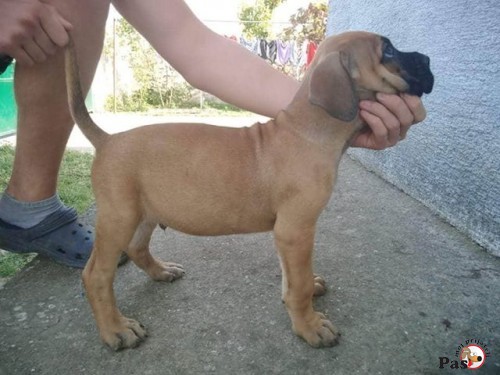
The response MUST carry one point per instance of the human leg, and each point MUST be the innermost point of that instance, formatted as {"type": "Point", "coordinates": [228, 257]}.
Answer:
{"type": "Point", "coordinates": [44, 126]}
{"type": "Point", "coordinates": [44, 122]}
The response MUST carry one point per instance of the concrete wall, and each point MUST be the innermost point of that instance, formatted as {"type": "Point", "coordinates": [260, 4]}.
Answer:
{"type": "Point", "coordinates": [451, 162]}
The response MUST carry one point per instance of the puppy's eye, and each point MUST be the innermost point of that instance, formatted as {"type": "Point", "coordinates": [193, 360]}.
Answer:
{"type": "Point", "coordinates": [389, 51]}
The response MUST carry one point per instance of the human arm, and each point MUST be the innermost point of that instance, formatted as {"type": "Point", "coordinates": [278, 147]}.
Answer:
{"type": "Point", "coordinates": [209, 61]}
{"type": "Point", "coordinates": [31, 30]}
{"type": "Point", "coordinates": [217, 65]}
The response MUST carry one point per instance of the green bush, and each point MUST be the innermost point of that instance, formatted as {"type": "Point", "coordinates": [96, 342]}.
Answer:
{"type": "Point", "coordinates": [178, 96]}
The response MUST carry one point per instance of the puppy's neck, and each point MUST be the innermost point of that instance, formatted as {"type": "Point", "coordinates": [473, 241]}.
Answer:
{"type": "Point", "coordinates": [316, 125]}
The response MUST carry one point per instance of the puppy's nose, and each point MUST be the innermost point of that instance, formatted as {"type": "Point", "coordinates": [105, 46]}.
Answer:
{"type": "Point", "coordinates": [426, 60]}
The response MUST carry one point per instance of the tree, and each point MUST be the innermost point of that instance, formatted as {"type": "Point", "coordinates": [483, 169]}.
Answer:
{"type": "Point", "coordinates": [147, 66]}
{"type": "Point", "coordinates": [156, 84]}
{"type": "Point", "coordinates": [308, 23]}
{"type": "Point", "coordinates": [256, 19]}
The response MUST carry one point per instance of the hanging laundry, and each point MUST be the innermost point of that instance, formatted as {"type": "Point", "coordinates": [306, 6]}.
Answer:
{"type": "Point", "coordinates": [311, 51]}
{"type": "Point", "coordinates": [280, 52]}
{"type": "Point", "coordinates": [272, 49]}
{"type": "Point", "coordinates": [246, 43]}
{"type": "Point", "coordinates": [284, 52]}
{"type": "Point", "coordinates": [263, 48]}
{"type": "Point", "coordinates": [294, 53]}
{"type": "Point", "coordinates": [251, 45]}
{"type": "Point", "coordinates": [303, 53]}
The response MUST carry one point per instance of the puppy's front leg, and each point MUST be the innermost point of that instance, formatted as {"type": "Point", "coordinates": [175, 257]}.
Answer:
{"type": "Point", "coordinates": [294, 241]}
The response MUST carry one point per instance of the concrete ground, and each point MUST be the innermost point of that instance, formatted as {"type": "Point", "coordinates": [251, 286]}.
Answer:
{"type": "Point", "coordinates": [405, 289]}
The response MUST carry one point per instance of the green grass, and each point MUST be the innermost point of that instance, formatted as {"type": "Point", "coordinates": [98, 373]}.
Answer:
{"type": "Point", "coordinates": [6, 159]}
{"type": "Point", "coordinates": [74, 185]}
{"type": "Point", "coordinates": [11, 263]}
{"type": "Point", "coordinates": [74, 188]}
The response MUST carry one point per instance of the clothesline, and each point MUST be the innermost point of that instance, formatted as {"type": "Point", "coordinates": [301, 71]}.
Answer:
{"type": "Point", "coordinates": [279, 51]}
{"type": "Point", "coordinates": [251, 21]}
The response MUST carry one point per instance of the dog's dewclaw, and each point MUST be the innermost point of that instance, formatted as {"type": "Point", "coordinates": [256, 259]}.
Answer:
{"type": "Point", "coordinates": [319, 286]}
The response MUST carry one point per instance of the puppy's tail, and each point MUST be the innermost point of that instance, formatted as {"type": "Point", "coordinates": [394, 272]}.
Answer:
{"type": "Point", "coordinates": [76, 99]}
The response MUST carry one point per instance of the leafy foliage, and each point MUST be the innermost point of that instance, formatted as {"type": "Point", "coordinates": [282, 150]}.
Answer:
{"type": "Point", "coordinates": [157, 85]}
{"type": "Point", "coordinates": [308, 23]}
{"type": "Point", "coordinates": [256, 19]}
{"type": "Point", "coordinates": [175, 96]}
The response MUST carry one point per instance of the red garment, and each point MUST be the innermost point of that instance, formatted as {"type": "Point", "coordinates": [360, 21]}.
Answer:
{"type": "Point", "coordinates": [311, 51]}
{"type": "Point", "coordinates": [232, 37]}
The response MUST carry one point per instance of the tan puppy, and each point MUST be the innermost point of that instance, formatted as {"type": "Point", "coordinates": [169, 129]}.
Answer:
{"type": "Point", "coordinates": [206, 180]}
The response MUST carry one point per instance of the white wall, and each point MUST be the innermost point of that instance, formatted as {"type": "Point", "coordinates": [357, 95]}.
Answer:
{"type": "Point", "coordinates": [451, 162]}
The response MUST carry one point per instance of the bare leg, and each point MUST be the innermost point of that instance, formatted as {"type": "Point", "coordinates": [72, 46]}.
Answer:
{"type": "Point", "coordinates": [44, 125]}
{"type": "Point", "coordinates": [44, 122]}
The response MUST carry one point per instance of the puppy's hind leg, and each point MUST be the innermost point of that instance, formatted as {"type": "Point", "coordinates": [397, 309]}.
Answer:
{"type": "Point", "coordinates": [138, 251]}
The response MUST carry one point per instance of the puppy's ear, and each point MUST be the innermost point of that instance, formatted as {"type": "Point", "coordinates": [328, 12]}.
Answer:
{"type": "Point", "coordinates": [331, 87]}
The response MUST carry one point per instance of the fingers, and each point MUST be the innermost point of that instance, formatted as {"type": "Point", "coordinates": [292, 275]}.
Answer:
{"type": "Point", "coordinates": [45, 43]}
{"type": "Point", "coordinates": [389, 120]}
{"type": "Point", "coordinates": [21, 56]}
{"type": "Point", "coordinates": [34, 51]}
{"type": "Point", "coordinates": [397, 106]}
{"type": "Point", "coordinates": [51, 32]}
{"type": "Point", "coordinates": [54, 26]}
{"type": "Point", "coordinates": [416, 107]}
{"type": "Point", "coordinates": [32, 31]}
{"type": "Point", "coordinates": [385, 126]}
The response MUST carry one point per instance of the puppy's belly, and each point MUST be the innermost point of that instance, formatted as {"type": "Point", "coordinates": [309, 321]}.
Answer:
{"type": "Point", "coordinates": [197, 179]}
{"type": "Point", "coordinates": [210, 214]}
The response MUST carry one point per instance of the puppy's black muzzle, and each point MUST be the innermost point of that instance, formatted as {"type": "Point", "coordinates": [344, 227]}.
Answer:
{"type": "Point", "coordinates": [416, 72]}
{"type": "Point", "coordinates": [414, 68]}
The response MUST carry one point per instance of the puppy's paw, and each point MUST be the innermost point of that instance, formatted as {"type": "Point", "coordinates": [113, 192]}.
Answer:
{"type": "Point", "coordinates": [317, 330]}
{"type": "Point", "coordinates": [127, 334]}
{"type": "Point", "coordinates": [165, 271]}
{"type": "Point", "coordinates": [319, 286]}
